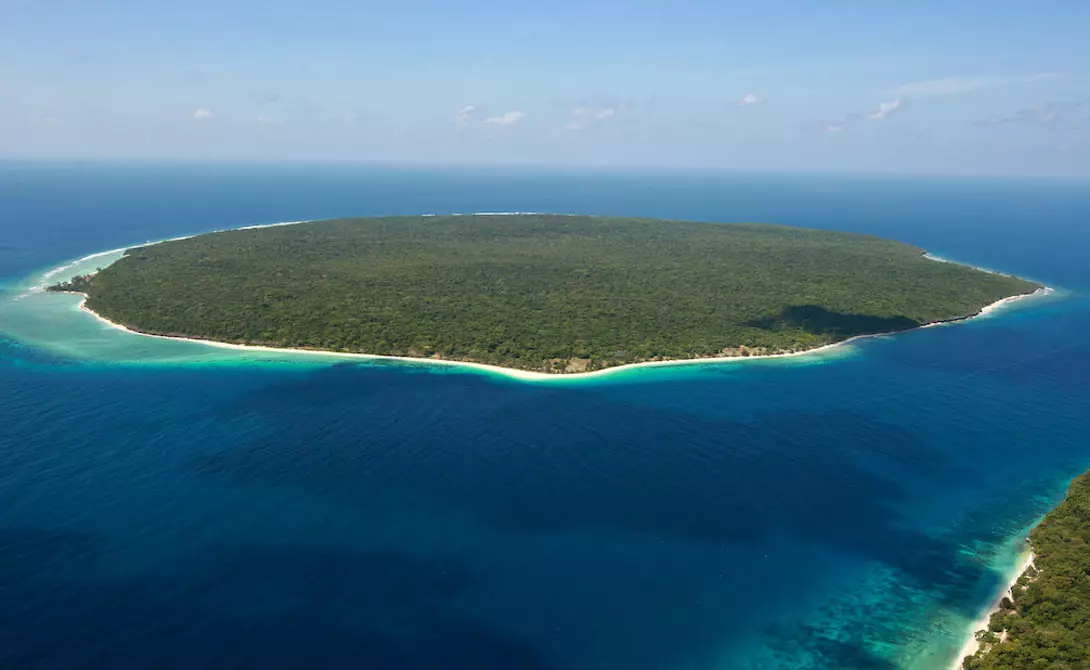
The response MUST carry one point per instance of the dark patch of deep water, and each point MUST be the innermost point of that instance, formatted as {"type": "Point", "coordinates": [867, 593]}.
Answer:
{"type": "Point", "coordinates": [840, 514]}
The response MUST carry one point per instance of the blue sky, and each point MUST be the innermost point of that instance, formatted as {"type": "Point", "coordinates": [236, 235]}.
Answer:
{"type": "Point", "coordinates": [951, 87]}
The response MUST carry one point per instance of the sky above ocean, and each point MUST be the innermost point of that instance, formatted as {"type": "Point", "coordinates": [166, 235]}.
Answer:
{"type": "Point", "coordinates": [968, 87]}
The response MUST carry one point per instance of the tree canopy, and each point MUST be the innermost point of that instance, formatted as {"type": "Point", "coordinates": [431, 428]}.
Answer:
{"type": "Point", "coordinates": [540, 292]}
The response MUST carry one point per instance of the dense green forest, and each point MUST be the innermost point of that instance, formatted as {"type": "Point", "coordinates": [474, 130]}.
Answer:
{"type": "Point", "coordinates": [540, 292]}
{"type": "Point", "coordinates": [1047, 623]}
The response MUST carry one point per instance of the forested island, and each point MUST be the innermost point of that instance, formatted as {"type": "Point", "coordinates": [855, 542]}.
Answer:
{"type": "Point", "coordinates": [550, 293]}
{"type": "Point", "coordinates": [1046, 621]}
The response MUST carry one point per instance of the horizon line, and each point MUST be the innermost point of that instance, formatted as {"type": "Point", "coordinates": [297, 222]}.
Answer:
{"type": "Point", "coordinates": [876, 173]}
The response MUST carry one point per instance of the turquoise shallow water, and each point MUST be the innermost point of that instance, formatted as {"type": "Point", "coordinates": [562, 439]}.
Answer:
{"type": "Point", "coordinates": [169, 504]}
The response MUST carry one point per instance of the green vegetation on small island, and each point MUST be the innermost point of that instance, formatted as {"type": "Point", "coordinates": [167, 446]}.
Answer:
{"type": "Point", "coordinates": [552, 293]}
{"type": "Point", "coordinates": [1047, 623]}
{"type": "Point", "coordinates": [77, 284]}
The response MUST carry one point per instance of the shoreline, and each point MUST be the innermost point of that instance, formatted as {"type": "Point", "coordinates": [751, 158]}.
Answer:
{"type": "Point", "coordinates": [971, 644]}
{"type": "Point", "coordinates": [531, 375]}
{"type": "Point", "coordinates": [514, 373]}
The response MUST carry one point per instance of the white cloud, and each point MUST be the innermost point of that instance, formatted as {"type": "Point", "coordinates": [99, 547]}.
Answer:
{"type": "Point", "coordinates": [471, 115]}
{"type": "Point", "coordinates": [748, 100]}
{"type": "Point", "coordinates": [586, 116]}
{"type": "Point", "coordinates": [202, 114]}
{"type": "Point", "coordinates": [595, 114]}
{"type": "Point", "coordinates": [263, 120]}
{"type": "Point", "coordinates": [508, 119]}
{"type": "Point", "coordinates": [884, 109]}
{"type": "Point", "coordinates": [932, 88]}
{"type": "Point", "coordinates": [466, 116]}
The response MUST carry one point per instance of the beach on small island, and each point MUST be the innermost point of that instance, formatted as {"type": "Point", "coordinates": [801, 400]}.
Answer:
{"type": "Point", "coordinates": [738, 355]}
{"type": "Point", "coordinates": [529, 375]}
{"type": "Point", "coordinates": [980, 624]}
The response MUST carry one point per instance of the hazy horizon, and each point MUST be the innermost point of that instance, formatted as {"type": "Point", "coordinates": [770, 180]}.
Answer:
{"type": "Point", "coordinates": [544, 167]}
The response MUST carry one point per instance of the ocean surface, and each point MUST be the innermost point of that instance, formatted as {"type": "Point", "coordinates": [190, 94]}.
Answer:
{"type": "Point", "coordinates": [172, 505]}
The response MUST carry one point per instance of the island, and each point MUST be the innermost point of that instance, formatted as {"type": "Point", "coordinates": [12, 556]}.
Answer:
{"type": "Point", "coordinates": [1044, 621]}
{"type": "Point", "coordinates": [540, 292]}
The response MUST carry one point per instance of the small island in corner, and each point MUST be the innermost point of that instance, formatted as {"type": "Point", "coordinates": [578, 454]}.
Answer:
{"type": "Point", "coordinates": [1044, 622]}
{"type": "Point", "coordinates": [540, 292]}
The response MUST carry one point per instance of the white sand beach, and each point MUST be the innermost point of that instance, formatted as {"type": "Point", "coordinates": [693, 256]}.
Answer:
{"type": "Point", "coordinates": [529, 375]}
{"type": "Point", "coordinates": [524, 375]}
{"type": "Point", "coordinates": [971, 644]}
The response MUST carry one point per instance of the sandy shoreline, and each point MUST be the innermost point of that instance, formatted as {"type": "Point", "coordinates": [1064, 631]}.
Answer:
{"type": "Point", "coordinates": [971, 644]}
{"type": "Point", "coordinates": [529, 375]}
{"type": "Point", "coordinates": [524, 375]}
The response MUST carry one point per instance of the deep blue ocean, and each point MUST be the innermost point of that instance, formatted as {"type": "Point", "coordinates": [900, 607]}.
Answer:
{"type": "Point", "coordinates": [850, 511]}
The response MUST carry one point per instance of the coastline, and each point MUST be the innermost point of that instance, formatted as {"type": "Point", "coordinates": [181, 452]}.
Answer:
{"type": "Point", "coordinates": [46, 277]}
{"type": "Point", "coordinates": [971, 644]}
{"type": "Point", "coordinates": [530, 375]}
{"type": "Point", "coordinates": [514, 373]}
